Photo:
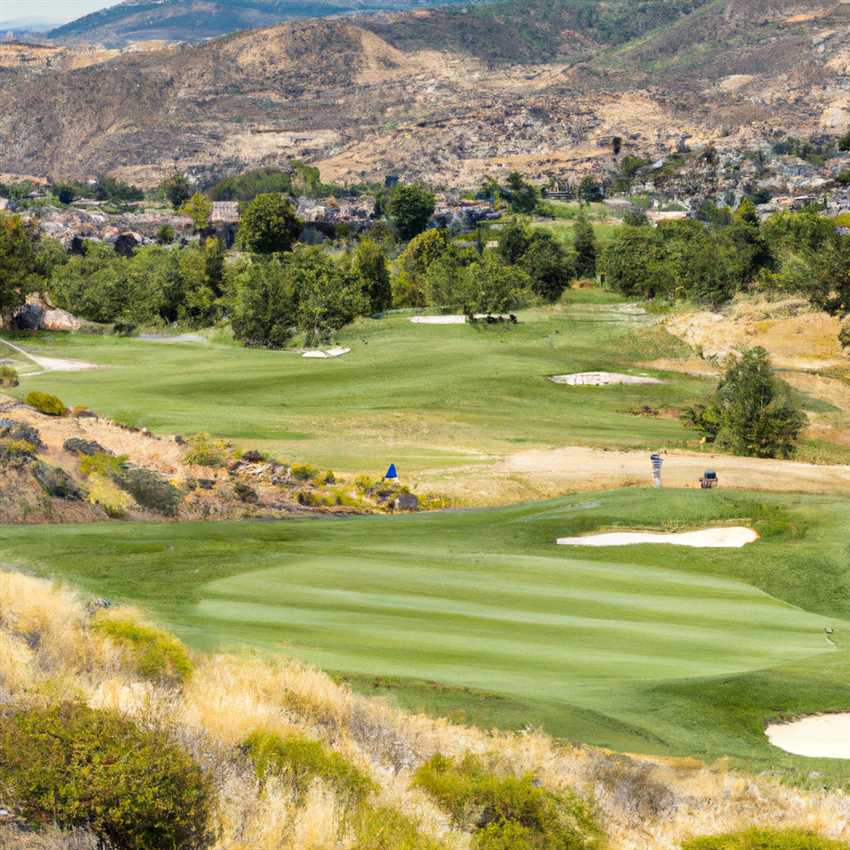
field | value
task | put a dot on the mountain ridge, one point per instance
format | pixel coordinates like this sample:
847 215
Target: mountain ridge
443 95
197 20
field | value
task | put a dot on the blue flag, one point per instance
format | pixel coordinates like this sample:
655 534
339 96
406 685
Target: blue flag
392 473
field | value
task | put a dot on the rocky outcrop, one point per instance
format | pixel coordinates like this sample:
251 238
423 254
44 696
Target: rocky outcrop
39 315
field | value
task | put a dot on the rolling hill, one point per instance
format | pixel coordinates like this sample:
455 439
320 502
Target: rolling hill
445 95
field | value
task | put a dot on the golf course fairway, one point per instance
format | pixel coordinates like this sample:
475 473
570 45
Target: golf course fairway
480 613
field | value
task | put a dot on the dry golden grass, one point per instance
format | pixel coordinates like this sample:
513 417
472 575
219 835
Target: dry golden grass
48 650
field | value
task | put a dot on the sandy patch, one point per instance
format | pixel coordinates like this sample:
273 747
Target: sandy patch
330 354
438 320
602 379
173 340
709 538
826 736
696 367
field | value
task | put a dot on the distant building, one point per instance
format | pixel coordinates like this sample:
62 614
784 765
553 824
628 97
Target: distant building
225 212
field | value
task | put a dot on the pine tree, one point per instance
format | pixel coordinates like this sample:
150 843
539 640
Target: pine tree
585 246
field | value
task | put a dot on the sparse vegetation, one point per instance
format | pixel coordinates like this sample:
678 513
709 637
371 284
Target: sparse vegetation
758 839
155 654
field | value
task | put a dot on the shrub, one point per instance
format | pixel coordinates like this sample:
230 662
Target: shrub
103 464
11 429
155 653
150 490
106 494
476 798
384 828
8 377
757 839
56 482
304 472
76 767
46 403
16 448
505 835
205 451
300 760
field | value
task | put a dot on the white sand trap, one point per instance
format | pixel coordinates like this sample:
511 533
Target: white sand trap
439 320
709 538
826 736
330 354
602 379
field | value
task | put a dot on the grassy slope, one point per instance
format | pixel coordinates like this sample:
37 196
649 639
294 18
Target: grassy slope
647 649
422 396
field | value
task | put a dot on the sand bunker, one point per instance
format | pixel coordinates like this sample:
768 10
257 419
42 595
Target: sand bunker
709 538
601 379
826 736
330 354
439 320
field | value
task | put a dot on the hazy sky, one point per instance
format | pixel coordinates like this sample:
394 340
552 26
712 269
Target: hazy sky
64 10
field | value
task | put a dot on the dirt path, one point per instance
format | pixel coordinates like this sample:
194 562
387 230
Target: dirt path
50 364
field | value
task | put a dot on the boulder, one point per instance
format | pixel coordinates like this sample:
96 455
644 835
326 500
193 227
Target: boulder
406 502
89 448
60 320
28 318
11 429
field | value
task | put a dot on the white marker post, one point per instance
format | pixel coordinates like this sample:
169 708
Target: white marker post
657 463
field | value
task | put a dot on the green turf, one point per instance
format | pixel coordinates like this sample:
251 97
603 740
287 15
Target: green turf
479 614
422 396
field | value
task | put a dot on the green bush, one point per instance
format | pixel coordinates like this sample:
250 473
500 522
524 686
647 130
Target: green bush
758 839
383 828
304 472
300 760
156 654
496 805
150 490
74 767
102 463
8 377
205 451
46 403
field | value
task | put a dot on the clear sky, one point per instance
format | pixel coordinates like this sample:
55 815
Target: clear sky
60 10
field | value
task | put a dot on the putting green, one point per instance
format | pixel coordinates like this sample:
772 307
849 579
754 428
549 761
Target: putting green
641 648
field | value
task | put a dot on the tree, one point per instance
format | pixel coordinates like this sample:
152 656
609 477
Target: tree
263 304
521 195
585 246
269 225
751 413
446 280
65 193
371 265
199 209
514 241
635 262
177 190
410 209
413 264
551 269
19 264
165 234
589 189
495 288
329 295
